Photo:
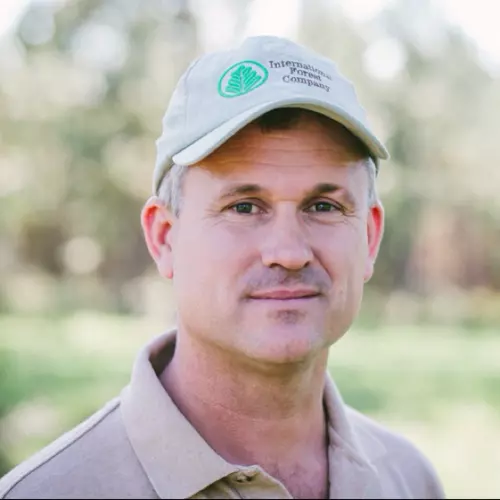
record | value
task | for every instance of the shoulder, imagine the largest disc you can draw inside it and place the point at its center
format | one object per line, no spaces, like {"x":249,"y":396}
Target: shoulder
{"x":397,"y":459}
{"x":92,"y":459}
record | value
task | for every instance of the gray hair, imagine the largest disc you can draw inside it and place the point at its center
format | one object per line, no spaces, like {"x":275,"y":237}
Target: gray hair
{"x":170,"y":191}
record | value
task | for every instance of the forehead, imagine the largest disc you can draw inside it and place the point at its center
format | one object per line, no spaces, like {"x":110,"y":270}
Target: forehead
{"x":307,"y":132}
{"x":311,"y":151}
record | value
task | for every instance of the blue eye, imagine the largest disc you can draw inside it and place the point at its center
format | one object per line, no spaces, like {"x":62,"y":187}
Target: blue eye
{"x":245,"y":207}
{"x":323,"y":206}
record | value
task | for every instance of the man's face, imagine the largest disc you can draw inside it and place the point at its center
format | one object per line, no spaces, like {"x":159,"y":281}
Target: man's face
{"x":273,"y":244}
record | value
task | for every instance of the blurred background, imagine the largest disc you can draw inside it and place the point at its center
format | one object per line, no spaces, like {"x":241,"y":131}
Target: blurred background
{"x":83,"y":86}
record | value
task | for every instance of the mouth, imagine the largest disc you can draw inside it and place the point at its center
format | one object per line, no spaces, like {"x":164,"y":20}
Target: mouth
{"x":285,"y":294}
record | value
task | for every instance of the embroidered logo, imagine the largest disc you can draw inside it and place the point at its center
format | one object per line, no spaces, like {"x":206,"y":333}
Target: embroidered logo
{"x":241,"y":78}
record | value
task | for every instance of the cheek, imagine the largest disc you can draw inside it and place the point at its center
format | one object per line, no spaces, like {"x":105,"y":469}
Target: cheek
{"x":210,"y":257}
{"x":342,"y":251}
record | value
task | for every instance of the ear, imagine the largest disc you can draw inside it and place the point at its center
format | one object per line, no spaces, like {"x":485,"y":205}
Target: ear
{"x":375,"y":231}
{"x":157,"y":224}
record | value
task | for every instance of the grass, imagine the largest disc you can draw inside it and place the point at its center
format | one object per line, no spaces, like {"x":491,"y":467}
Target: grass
{"x":439,"y":387}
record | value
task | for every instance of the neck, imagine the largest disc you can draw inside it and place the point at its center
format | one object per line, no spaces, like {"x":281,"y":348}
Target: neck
{"x":249,"y":414}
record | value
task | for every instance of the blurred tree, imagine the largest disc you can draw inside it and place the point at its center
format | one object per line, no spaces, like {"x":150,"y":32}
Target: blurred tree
{"x":84,"y":84}
{"x":87,"y":99}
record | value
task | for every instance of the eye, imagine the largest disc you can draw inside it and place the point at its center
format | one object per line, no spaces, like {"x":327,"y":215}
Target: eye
{"x":323,"y":206}
{"x":246,"y":208}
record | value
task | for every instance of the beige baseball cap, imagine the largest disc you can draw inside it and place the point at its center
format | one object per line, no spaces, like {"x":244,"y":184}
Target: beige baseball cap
{"x":221,"y":92}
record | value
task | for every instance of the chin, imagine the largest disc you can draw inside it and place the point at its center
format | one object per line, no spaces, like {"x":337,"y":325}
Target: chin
{"x":285,"y":344}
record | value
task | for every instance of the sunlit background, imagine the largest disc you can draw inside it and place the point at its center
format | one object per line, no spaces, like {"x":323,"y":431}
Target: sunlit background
{"x":83,"y":86}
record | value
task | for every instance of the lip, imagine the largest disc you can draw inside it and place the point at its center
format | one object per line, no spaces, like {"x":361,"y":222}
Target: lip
{"x":285,"y":294}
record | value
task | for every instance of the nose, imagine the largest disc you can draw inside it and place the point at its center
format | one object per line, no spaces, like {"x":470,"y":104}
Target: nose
{"x":286,"y":244}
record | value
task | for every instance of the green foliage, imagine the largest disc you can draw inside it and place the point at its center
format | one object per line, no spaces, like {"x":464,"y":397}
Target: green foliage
{"x":7,"y":402}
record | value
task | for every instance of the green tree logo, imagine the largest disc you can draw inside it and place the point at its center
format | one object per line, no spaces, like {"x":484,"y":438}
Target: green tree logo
{"x":241,"y":78}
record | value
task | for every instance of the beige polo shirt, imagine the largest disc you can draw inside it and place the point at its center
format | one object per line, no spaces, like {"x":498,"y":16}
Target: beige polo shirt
{"x":140,"y":446}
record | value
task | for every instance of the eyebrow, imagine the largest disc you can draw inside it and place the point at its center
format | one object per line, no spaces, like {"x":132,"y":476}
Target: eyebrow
{"x":323,"y":188}
{"x":241,"y":189}
{"x":255,"y":189}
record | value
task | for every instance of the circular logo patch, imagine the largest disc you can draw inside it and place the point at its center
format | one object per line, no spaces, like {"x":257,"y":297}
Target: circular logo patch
{"x":241,"y":78}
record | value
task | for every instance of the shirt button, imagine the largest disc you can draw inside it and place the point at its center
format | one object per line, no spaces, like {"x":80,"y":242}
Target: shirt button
{"x":245,"y":476}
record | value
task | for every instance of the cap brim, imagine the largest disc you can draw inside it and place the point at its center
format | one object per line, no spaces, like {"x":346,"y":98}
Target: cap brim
{"x":204,"y":146}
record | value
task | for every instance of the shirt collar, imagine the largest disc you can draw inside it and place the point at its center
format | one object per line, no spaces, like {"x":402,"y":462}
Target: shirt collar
{"x":179,"y":462}
{"x":352,"y":451}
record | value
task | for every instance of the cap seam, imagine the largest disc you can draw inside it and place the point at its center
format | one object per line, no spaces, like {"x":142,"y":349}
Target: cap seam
{"x":188,"y":73}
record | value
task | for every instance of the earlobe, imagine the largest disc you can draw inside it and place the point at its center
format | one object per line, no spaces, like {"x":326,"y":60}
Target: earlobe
{"x":369,"y":267}
{"x":157,"y":222}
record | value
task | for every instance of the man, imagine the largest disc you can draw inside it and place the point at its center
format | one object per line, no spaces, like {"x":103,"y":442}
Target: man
{"x":265,"y":217}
